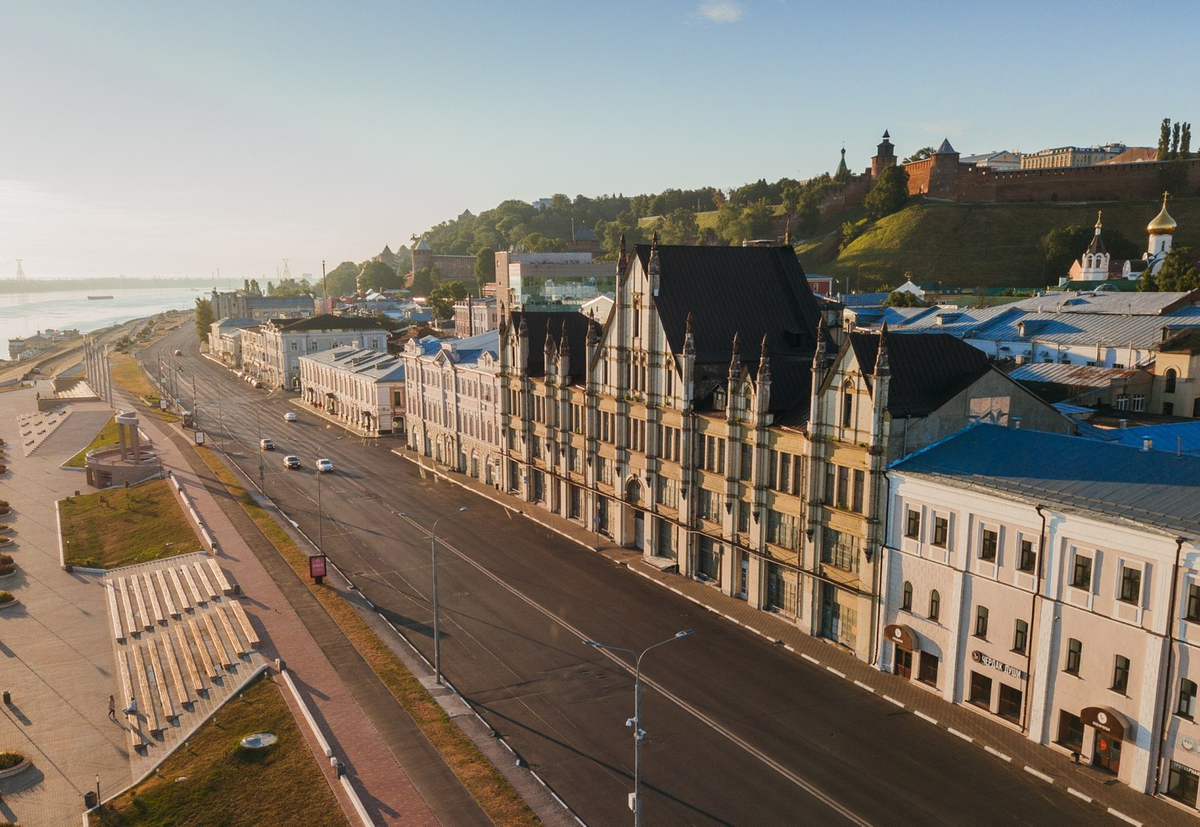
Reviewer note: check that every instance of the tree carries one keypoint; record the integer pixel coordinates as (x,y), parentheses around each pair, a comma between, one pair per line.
(1185,142)
(424,280)
(920,155)
(903,299)
(341,279)
(1164,139)
(485,266)
(1174,153)
(1178,273)
(442,297)
(1064,246)
(376,275)
(678,227)
(889,194)
(204,318)
(850,231)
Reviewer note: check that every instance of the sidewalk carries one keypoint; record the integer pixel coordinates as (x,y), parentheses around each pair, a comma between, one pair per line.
(1112,799)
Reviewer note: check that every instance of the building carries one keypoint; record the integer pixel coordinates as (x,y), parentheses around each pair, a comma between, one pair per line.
(1071,156)
(533,281)
(472,316)
(271,352)
(1002,161)
(1117,389)
(453,407)
(450,268)
(361,388)
(225,340)
(1177,375)
(239,304)
(1095,263)
(1063,605)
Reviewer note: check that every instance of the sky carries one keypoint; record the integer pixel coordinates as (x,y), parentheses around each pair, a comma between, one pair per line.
(173,139)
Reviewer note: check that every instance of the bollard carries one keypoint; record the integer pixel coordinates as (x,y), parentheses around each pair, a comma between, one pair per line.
(7,698)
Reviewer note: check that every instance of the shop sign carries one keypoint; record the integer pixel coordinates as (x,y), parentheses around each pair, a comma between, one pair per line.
(1104,719)
(999,666)
(902,636)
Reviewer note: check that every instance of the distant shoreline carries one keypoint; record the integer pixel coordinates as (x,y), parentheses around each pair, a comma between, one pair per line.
(10,286)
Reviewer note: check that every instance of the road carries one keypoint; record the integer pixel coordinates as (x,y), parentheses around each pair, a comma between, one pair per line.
(740,732)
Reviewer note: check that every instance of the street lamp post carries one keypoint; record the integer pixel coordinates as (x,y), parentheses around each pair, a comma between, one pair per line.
(320,513)
(636,720)
(437,638)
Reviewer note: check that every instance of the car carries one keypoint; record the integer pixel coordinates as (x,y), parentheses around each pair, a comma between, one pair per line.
(290,416)
(179,353)
(291,461)
(324,465)
(266,445)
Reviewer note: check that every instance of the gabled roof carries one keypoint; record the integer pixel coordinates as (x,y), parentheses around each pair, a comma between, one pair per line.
(576,327)
(325,321)
(928,369)
(1184,341)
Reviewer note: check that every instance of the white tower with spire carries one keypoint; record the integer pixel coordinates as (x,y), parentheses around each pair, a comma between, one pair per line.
(1094,264)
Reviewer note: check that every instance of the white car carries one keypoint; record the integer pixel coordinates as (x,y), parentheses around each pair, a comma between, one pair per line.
(290,416)
(324,465)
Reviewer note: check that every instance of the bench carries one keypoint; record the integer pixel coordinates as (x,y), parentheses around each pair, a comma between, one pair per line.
(130,621)
(205,660)
(184,601)
(160,681)
(243,621)
(166,594)
(188,660)
(114,611)
(152,593)
(219,646)
(195,592)
(229,633)
(181,691)
(135,586)
(146,704)
(204,584)
(219,577)
(136,740)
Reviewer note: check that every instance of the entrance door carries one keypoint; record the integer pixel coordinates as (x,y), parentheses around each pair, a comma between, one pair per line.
(829,611)
(1107,754)
(639,530)
(903,666)
(743,573)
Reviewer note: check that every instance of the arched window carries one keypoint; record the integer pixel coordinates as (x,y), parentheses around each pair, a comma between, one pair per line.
(935,604)
(847,405)
(1170,386)
(906,599)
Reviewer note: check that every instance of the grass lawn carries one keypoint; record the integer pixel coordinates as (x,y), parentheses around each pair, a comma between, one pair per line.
(106,437)
(485,783)
(126,373)
(216,781)
(119,527)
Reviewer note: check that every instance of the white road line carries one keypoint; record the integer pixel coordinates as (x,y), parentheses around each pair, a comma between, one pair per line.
(862,685)
(925,717)
(892,700)
(789,647)
(1123,817)
(1040,775)
(962,735)
(810,659)
(731,618)
(1080,795)
(998,754)
(836,672)
(750,628)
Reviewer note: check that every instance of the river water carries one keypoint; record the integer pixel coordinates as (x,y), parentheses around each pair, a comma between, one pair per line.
(24,314)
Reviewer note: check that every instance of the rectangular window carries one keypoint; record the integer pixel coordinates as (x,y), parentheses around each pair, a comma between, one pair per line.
(913,529)
(1009,706)
(746,469)
(988,543)
(839,550)
(1183,783)
(785,472)
(797,473)
(1081,576)
(743,520)
(783,530)
(1120,681)
(1074,656)
(843,486)
(1193,603)
(1020,636)
(1131,584)
(1139,402)
(1187,699)
(1070,731)
(981,621)
(981,690)
(830,484)
(856,501)
(1028,559)
(941,530)
(927,672)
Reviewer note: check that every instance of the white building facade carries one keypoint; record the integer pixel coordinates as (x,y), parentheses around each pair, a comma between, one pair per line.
(360,388)
(271,353)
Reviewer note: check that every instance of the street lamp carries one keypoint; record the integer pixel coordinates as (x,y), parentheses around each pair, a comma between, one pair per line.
(437,640)
(320,474)
(636,720)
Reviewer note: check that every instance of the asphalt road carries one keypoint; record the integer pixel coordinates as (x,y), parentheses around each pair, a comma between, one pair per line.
(739,732)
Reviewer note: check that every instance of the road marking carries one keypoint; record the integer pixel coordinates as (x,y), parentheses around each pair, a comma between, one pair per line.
(862,685)
(1123,817)
(892,700)
(962,735)
(998,754)
(836,672)
(1080,795)
(789,647)
(1040,775)
(731,617)
(923,716)
(810,658)
(750,628)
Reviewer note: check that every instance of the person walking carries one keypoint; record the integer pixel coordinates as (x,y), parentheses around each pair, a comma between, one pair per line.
(112,707)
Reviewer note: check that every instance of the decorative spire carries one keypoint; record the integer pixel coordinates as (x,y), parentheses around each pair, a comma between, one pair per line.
(764,362)
(689,342)
(548,345)
(821,338)
(1163,223)
(735,361)
(882,367)
(593,334)
(1099,215)
(563,347)
(523,328)
(621,256)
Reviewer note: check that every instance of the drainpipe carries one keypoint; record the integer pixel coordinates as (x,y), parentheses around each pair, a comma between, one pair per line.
(1033,606)
(877,603)
(1171,620)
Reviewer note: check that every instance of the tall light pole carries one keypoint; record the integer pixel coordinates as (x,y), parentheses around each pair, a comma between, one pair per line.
(437,638)
(320,513)
(636,720)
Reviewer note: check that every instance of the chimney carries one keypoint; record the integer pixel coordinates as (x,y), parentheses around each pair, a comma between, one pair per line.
(1147,443)
(1016,422)
(1123,423)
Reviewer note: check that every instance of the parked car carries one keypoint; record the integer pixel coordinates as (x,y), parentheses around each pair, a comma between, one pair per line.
(324,465)
(290,416)
(291,461)
(266,445)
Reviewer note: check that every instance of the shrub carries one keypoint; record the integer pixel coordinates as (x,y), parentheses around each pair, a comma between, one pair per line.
(10,758)
(5,597)
(6,559)
(5,541)
(7,568)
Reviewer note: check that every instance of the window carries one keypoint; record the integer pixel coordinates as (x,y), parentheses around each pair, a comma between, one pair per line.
(1122,403)
(711,503)
(1070,731)
(1168,409)
(743,517)
(1074,656)
(1081,577)
(941,529)
(1187,699)
(927,672)
(843,487)
(913,529)
(840,550)
(1120,680)
(988,542)
(1010,703)
(1139,402)
(1131,584)
(1193,603)
(1028,559)
(746,466)
(1020,636)
(981,621)
(935,604)
(981,690)
(1169,381)
(1182,784)
(847,405)
(906,598)
(830,484)
(783,529)
(856,501)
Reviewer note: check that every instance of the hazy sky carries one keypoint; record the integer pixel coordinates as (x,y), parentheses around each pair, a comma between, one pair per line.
(177,138)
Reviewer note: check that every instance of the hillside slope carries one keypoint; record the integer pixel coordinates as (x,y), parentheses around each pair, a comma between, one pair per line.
(986,245)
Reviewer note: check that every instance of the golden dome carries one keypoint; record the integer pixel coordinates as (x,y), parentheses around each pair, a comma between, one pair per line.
(1163,223)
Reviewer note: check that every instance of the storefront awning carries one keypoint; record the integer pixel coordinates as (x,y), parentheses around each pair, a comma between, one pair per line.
(903,636)
(1106,719)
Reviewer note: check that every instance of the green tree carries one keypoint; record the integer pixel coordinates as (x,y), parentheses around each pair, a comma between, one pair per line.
(1164,139)
(1178,273)
(889,193)
(1175,135)
(442,297)
(376,275)
(904,299)
(678,227)
(204,318)
(485,266)
(920,155)
(1185,142)
(341,279)
(424,280)
(850,230)
(1063,247)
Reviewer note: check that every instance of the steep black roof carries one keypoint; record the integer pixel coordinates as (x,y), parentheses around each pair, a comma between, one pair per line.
(576,335)
(327,321)
(928,369)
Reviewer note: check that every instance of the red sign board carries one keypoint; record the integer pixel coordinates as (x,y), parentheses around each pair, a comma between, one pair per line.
(316,565)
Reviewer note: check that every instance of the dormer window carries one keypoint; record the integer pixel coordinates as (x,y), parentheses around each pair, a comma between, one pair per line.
(847,405)
(719,399)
